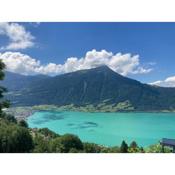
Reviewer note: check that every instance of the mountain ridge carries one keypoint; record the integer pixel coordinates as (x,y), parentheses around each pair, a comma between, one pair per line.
(97,86)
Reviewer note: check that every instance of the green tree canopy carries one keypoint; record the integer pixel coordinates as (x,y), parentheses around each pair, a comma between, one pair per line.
(41,144)
(65,143)
(91,148)
(23,123)
(14,139)
(48,133)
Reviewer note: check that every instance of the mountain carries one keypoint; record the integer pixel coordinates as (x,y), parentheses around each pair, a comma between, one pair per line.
(16,82)
(97,86)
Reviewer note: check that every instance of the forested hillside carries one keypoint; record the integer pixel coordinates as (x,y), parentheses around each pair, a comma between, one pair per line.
(99,87)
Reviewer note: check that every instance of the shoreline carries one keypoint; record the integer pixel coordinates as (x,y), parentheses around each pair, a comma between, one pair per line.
(23,112)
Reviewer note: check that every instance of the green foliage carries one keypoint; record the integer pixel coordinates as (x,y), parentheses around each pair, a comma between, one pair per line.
(56,146)
(41,145)
(74,150)
(91,148)
(42,140)
(48,133)
(14,139)
(114,149)
(133,148)
(3,103)
(65,143)
(2,67)
(124,106)
(9,118)
(124,147)
(133,145)
(157,148)
(6,104)
(23,123)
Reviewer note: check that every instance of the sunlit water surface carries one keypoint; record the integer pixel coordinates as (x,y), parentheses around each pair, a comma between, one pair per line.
(108,129)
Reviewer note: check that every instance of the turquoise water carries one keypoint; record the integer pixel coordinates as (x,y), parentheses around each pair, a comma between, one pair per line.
(108,128)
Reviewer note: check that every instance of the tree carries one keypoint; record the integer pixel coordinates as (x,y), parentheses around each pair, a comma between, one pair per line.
(48,133)
(41,144)
(9,118)
(124,147)
(22,140)
(14,139)
(23,123)
(142,150)
(3,103)
(134,148)
(56,146)
(114,149)
(133,145)
(65,143)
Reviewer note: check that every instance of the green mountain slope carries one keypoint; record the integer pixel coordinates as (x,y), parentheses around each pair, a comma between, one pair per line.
(98,86)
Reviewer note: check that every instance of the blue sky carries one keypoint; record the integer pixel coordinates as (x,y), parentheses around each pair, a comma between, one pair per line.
(55,42)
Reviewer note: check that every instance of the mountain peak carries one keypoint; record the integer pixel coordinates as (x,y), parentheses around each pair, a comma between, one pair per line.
(103,68)
(99,69)
(106,69)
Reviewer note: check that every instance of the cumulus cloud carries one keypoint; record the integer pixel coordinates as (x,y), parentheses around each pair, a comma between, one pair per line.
(19,38)
(168,82)
(123,64)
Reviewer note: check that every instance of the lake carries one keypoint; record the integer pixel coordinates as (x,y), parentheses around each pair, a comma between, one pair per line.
(108,129)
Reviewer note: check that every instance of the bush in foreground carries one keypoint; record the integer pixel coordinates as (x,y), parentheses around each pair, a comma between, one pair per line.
(91,148)
(157,148)
(66,143)
(41,145)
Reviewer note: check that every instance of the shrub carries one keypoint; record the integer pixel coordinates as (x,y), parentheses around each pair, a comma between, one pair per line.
(48,133)
(157,148)
(91,148)
(41,145)
(65,143)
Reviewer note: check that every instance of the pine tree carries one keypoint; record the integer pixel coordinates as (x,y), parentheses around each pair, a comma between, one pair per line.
(124,147)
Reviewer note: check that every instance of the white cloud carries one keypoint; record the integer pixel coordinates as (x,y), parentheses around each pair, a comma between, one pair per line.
(124,64)
(168,82)
(19,38)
